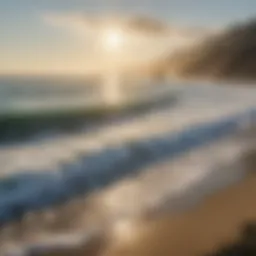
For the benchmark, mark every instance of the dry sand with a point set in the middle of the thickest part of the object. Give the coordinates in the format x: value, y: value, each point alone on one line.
x: 216, y: 222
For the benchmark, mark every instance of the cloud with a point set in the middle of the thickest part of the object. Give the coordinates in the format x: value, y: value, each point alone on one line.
x: 147, y: 36
x: 136, y: 25
x: 72, y: 22
x: 82, y: 23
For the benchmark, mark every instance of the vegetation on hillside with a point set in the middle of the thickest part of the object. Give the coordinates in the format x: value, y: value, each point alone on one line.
x: 228, y: 55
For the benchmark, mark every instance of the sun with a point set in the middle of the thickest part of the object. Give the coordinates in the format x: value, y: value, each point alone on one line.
x: 113, y: 39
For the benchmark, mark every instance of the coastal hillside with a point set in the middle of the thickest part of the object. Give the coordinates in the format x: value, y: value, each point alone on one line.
x: 229, y: 55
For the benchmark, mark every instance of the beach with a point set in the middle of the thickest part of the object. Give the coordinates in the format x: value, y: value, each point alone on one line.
x: 185, y: 156
x: 202, y: 227
x: 216, y: 222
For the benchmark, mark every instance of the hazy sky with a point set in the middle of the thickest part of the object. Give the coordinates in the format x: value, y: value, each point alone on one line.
x: 27, y: 43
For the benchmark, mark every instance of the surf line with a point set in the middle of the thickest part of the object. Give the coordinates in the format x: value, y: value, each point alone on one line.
x: 27, y: 192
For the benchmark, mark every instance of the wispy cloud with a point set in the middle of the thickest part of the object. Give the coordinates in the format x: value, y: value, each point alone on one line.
x: 139, y: 25
x: 147, y: 36
x: 75, y: 22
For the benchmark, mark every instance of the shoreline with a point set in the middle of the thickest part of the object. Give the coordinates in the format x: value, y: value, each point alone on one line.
x: 138, y: 227
x: 215, y: 222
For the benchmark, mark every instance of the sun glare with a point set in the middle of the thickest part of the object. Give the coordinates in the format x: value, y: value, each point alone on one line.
x: 113, y: 39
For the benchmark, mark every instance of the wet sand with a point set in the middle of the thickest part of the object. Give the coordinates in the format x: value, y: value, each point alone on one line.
x: 218, y: 221
x: 204, y: 230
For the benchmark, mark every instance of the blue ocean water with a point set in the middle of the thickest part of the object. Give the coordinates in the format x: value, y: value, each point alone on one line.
x: 32, y: 105
x: 114, y: 158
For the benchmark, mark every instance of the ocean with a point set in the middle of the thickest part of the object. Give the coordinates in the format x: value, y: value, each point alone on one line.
x: 76, y: 180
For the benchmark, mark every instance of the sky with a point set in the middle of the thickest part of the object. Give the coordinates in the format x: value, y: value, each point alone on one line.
x: 29, y: 44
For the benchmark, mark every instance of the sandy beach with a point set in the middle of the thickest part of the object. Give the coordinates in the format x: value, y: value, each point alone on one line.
x: 128, y: 128
x: 205, y: 226
x: 217, y: 221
